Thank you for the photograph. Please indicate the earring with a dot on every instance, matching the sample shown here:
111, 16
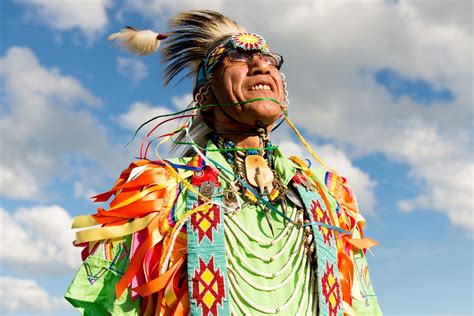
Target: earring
201, 96
286, 100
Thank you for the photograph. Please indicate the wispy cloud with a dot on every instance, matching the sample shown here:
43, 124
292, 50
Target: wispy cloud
46, 127
24, 295
338, 160
89, 17
182, 101
38, 240
138, 113
132, 68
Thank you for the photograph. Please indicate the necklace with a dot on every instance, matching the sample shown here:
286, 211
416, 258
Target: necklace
255, 167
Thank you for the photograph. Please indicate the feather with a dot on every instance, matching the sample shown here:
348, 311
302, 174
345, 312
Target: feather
193, 34
140, 42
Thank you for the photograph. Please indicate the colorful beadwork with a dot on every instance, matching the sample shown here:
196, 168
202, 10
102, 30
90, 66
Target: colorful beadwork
249, 41
321, 216
208, 287
205, 223
331, 289
327, 272
207, 271
214, 56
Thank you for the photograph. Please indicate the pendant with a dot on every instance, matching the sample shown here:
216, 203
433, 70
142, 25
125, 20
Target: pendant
230, 201
261, 176
258, 172
266, 211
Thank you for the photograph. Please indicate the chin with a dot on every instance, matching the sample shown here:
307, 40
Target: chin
266, 112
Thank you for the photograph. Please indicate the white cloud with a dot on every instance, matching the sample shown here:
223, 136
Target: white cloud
336, 159
48, 129
132, 68
22, 72
89, 17
38, 240
83, 190
154, 8
447, 171
182, 102
23, 295
138, 113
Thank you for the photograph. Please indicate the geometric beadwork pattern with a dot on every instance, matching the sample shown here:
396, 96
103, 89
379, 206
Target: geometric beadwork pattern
331, 289
205, 223
208, 287
215, 57
249, 41
206, 259
327, 272
320, 216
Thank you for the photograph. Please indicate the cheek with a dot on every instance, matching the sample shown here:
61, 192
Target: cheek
232, 88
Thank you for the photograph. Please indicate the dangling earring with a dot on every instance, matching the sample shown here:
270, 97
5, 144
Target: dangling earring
201, 96
286, 100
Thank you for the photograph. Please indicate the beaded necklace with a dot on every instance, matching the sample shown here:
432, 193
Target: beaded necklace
255, 167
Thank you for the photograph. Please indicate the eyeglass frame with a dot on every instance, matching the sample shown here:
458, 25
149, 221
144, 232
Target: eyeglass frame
215, 57
250, 53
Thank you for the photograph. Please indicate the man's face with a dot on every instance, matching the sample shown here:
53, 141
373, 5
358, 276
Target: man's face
239, 81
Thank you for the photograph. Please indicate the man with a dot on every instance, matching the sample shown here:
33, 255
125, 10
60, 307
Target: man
233, 227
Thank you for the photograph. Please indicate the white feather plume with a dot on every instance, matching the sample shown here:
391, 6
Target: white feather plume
140, 42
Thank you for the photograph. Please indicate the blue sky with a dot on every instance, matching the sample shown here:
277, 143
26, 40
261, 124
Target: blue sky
382, 90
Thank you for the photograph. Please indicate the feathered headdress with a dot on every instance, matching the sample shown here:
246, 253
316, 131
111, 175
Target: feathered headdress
193, 35
196, 44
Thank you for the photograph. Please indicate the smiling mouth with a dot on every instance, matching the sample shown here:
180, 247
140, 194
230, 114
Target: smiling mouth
261, 87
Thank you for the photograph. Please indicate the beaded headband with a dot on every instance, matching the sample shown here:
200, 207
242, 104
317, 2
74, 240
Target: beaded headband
243, 41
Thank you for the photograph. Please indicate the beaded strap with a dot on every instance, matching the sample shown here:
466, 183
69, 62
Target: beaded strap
207, 272
327, 272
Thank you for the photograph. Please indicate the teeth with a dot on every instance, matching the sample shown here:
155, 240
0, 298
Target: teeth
261, 87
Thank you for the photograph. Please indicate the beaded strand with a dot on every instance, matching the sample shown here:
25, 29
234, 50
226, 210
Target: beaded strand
234, 286
263, 274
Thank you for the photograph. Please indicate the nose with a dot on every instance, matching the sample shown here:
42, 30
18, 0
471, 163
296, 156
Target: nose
258, 66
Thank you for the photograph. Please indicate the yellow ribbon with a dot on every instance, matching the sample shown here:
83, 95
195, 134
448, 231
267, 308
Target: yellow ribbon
305, 143
110, 232
83, 221
142, 194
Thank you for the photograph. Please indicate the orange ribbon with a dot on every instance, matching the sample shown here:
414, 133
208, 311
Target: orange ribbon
159, 283
137, 262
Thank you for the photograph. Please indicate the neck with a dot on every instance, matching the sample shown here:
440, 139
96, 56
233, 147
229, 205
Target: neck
244, 141
246, 137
